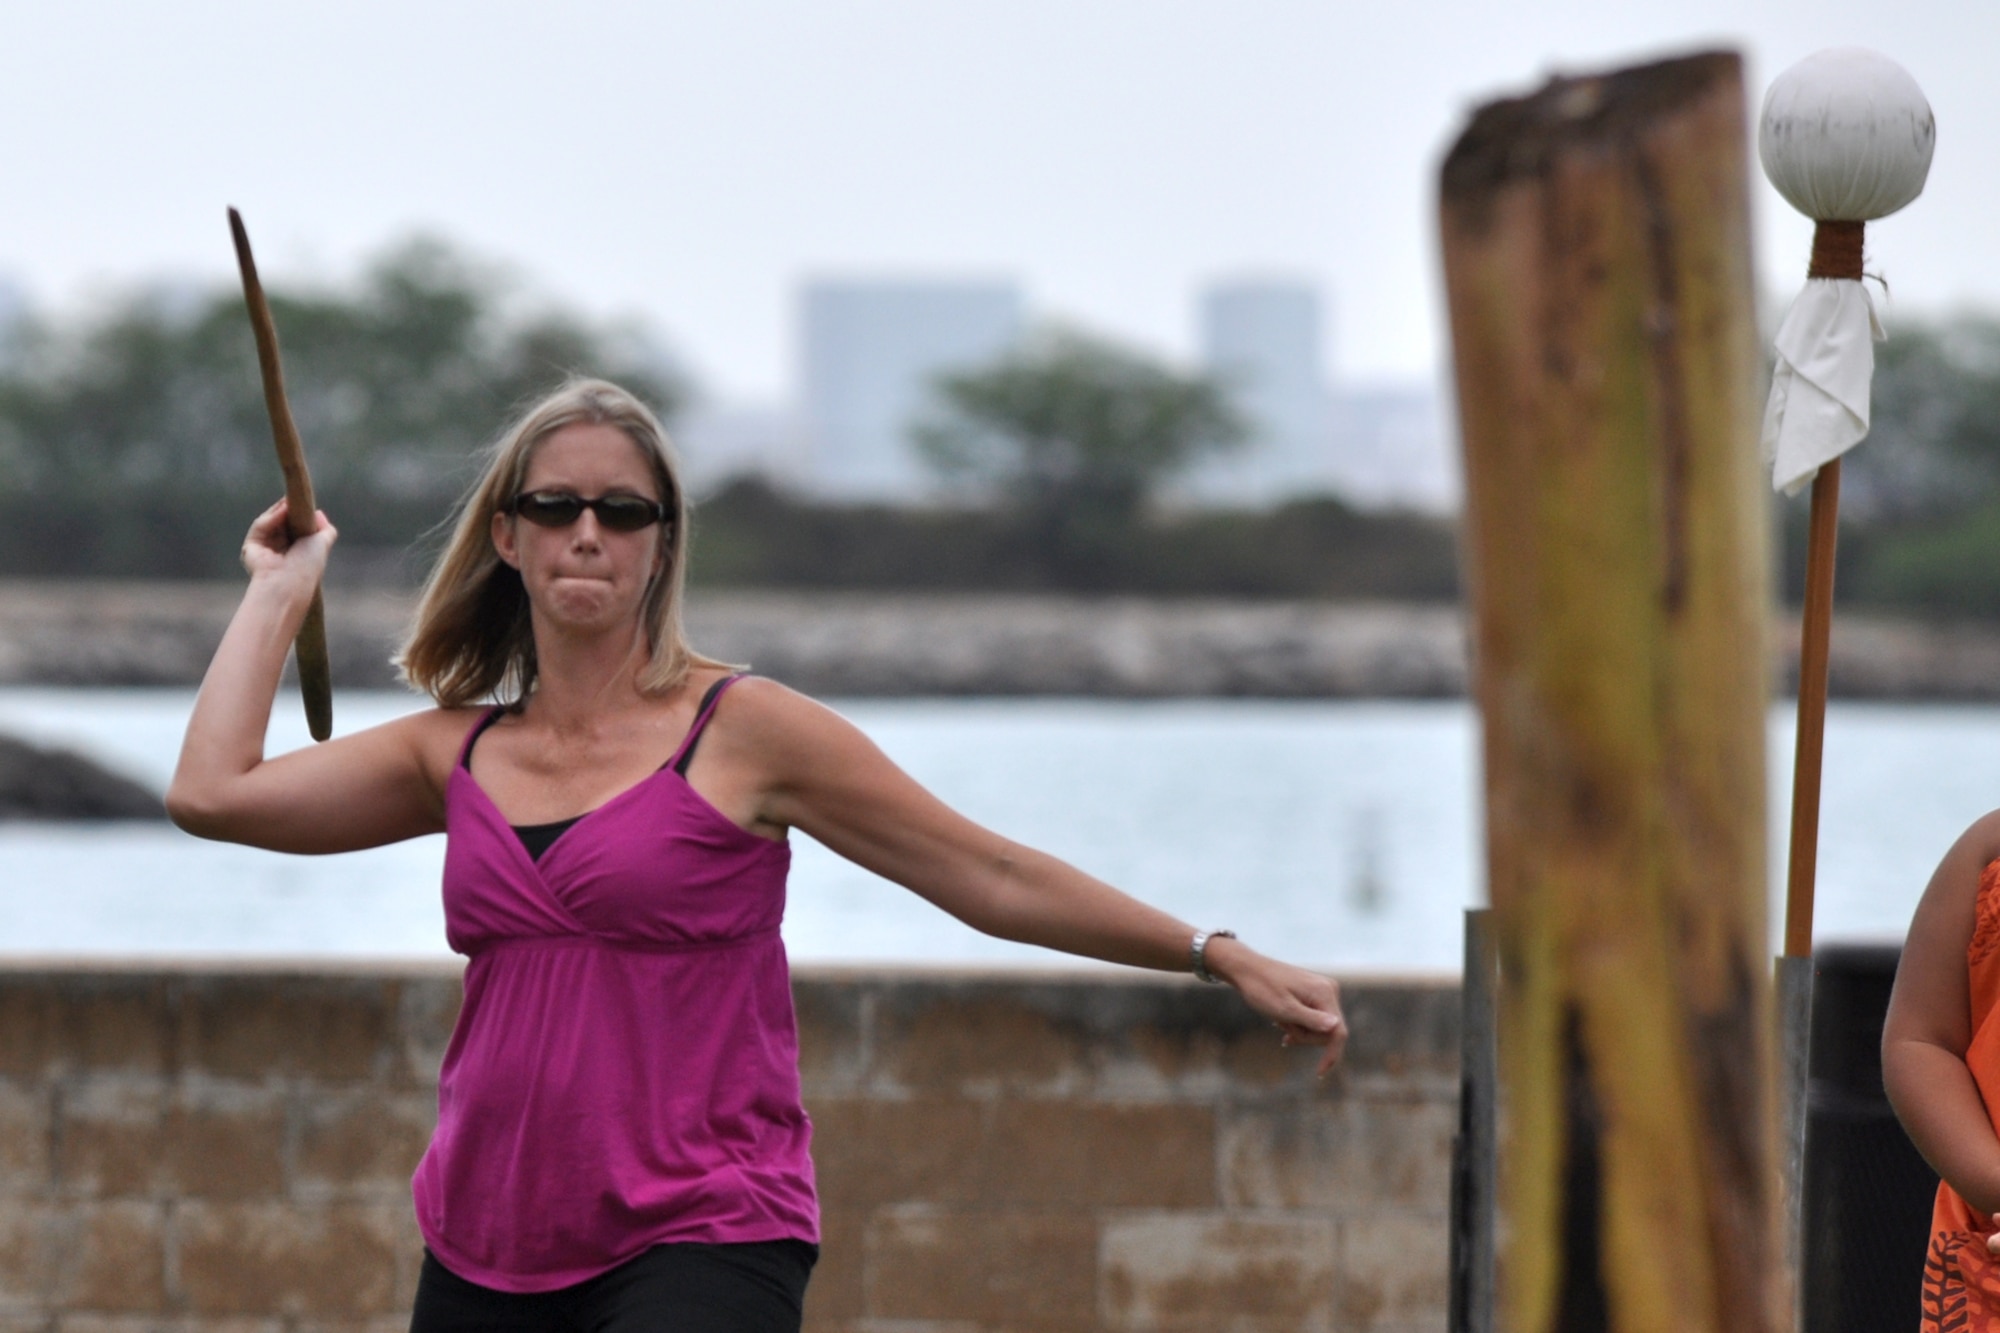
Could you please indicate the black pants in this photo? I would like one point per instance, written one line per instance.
(680, 1288)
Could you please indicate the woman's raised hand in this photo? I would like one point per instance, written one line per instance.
(271, 552)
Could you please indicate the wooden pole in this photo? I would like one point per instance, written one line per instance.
(315, 671)
(1837, 248)
(1597, 267)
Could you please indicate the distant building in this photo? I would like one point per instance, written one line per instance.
(1263, 339)
(720, 442)
(869, 352)
(1376, 446)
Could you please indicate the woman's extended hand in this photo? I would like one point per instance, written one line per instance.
(1304, 1005)
(271, 552)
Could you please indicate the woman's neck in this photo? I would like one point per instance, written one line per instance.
(581, 679)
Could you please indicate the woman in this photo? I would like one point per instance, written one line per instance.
(619, 1127)
(1941, 1069)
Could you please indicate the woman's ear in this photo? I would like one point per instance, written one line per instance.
(502, 532)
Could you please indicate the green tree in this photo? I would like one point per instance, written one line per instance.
(1074, 434)
(1933, 446)
(1921, 495)
(152, 411)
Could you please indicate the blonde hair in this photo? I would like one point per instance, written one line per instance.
(472, 639)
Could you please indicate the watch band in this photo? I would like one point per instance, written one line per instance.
(1198, 951)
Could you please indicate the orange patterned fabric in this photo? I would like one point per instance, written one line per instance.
(1962, 1280)
(1961, 1285)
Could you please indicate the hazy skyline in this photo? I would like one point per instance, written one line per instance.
(689, 165)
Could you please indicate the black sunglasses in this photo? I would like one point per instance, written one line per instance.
(559, 509)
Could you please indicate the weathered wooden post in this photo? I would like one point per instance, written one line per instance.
(1597, 263)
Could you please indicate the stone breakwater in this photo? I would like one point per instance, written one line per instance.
(87, 633)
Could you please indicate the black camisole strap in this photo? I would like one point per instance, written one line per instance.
(702, 713)
(472, 738)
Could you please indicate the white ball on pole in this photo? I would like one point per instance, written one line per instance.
(1847, 136)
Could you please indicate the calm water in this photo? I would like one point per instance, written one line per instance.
(1342, 834)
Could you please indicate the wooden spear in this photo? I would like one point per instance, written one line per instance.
(315, 672)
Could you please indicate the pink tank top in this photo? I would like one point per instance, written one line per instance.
(624, 1071)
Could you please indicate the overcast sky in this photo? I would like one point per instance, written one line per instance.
(687, 163)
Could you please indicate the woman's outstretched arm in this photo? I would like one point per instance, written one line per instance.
(362, 790)
(1929, 1027)
(822, 775)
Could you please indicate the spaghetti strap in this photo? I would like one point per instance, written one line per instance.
(705, 710)
(478, 730)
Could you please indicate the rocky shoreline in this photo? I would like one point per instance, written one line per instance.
(844, 644)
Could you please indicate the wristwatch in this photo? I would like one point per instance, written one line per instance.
(1199, 952)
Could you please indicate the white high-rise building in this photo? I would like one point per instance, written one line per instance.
(1263, 339)
(869, 352)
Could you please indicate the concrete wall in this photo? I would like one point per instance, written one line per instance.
(211, 1150)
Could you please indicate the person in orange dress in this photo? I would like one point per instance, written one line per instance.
(1941, 1068)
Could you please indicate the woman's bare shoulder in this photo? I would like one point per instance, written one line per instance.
(1978, 847)
(1943, 921)
(431, 736)
(772, 718)
(759, 699)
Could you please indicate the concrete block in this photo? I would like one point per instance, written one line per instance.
(835, 1296)
(225, 1141)
(1353, 1156)
(1081, 1154)
(333, 1261)
(971, 1041)
(113, 1259)
(30, 1240)
(868, 1152)
(27, 1026)
(989, 1268)
(1402, 1032)
(426, 1010)
(833, 1035)
(1395, 1272)
(123, 1323)
(117, 1024)
(26, 1152)
(110, 1137)
(1178, 1063)
(362, 1143)
(409, 1247)
(326, 1028)
(1191, 1270)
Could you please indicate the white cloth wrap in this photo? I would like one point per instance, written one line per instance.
(1819, 386)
